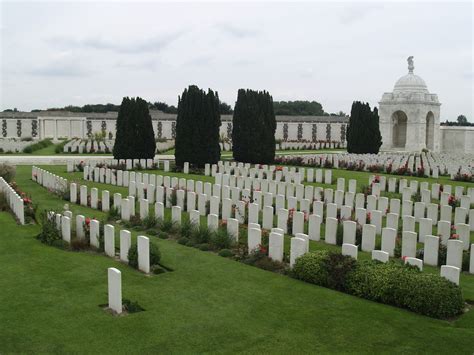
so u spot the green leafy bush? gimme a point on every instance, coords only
(150, 221)
(49, 234)
(201, 234)
(131, 306)
(204, 247)
(113, 214)
(7, 172)
(183, 241)
(338, 267)
(4, 206)
(163, 235)
(155, 256)
(406, 287)
(37, 146)
(167, 225)
(391, 283)
(311, 268)
(226, 253)
(59, 148)
(186, 228)
(221, 239)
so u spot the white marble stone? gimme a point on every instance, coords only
(115, 289)
(350, 250)
(451, 273)
(125, 244)
(431, 248)
(380, 256)
(143, 247)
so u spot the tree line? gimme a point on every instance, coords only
(253, 128)
(280, 108)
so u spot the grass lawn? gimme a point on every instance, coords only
(50, 303)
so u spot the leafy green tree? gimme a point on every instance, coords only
(197, 127)
(225, 109)
(298, 108)
(135, 138)
(162, 106)
(462, 120)
(253, 128)
(363, 133)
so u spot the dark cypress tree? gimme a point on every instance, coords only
(197, 127)
(363, 134)
(253, 127)
(135, 138)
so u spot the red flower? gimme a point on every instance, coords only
(404, 258)
(88, 221)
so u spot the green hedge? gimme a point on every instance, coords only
(37, 146)
(391, 283)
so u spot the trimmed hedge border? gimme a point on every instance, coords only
(390, 283)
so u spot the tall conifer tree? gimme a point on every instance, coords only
(135, 138)
(197, 127)
(363, 133)
(253, 129)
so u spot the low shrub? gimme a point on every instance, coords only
(59, 148)
(201, 234)
(4, 206)
(153, 232)
(226, 253)
(163, 235)
(406, 287)
(37, 146)
(150, 221)
(204, 247)
(183, 241)
(113, 214)
(168, 226)
(221, 239)
(268, 264)
(7, 172)
(156, 269)
(186, 228)
(311, 268)
(155, 256)
(391, 283)
(49, 233)
(338, 267)
(131, 306)
(79, 244)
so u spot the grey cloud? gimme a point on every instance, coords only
(60, 70)
(357, 12)
(152, 44)
(237, 32)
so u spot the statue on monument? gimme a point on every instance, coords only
(411, 65)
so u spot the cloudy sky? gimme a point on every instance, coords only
(60, 53)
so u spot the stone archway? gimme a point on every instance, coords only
(399, 129)
(430, 131)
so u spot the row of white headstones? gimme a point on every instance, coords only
(409, 240)
(433, 164)
(81, 146)
(63, 223)
(14, 200)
